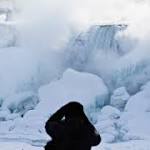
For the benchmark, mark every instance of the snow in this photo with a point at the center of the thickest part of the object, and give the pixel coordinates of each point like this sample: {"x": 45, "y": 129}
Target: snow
{"x": 97, "y": 68}
{"x": 136, "y": 115}
{"x": 21, "y": 102}
{"x": 19, "y": 120}
{"x": 131, "y": 72}
{"x": 23, "y": 115}
{"x": 109, "y": 52}
{"x": 107, "y": 124}
{"x": 37, "y": 88}
{"x": 110, "y": 112}
{"x": 119, "y": 98}
{"x": 18, "y": 146}
{"x": 134, "y": 145}
{"x": 97, "y": 45}
{"x": 73, "y": 86}
{"x": 8, "y": 35}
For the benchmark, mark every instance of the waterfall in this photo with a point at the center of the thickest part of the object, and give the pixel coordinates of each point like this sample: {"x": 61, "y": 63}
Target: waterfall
{"x": 98, "y": 38}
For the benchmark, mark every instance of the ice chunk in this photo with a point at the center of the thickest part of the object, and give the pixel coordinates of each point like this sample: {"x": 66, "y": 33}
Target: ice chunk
{"x": 136, "y": 115}
{"x": 107, "y": 124}
{"x": 108, "y": 138}
{"x": 73, "y": 86}
{"x": 139, "y": 102}
{"x": 21, "y": 103}
{"x": 119, "y": 98}
{"x": 4, "y": 114}
{"x": 110, "y": 112}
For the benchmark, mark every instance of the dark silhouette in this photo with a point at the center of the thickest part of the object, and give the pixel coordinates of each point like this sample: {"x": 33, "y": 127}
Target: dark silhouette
{"x": 70, "y": 129}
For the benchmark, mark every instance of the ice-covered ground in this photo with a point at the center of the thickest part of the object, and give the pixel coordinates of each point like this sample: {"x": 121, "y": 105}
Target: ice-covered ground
{"x": 122, "y": 124}
{"x": 134, "y": 145}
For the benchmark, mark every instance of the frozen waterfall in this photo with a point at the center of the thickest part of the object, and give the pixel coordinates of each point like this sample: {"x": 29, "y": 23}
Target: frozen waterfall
{"x": 98, "y": 39}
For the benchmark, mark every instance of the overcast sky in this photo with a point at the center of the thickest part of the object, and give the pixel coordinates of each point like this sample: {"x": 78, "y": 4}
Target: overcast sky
{"x": 87, "y": 11}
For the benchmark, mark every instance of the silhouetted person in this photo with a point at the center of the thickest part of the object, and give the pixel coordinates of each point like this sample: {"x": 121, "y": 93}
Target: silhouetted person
{"x": 70, "y": 129}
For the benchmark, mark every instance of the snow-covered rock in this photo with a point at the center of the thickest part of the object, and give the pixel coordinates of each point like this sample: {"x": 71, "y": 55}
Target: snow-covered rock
{"x": 4, "y": 114}
{"x": 139, "y": 102}
{"x": 21, "y": 103}
{"x": 7, "y": 144}
{"x": 131, "y": 72}
{"x": 107, "y": 123}
{"x": 135, "y": 120}
{"x": 29, "y": 129}
{"x": 73, "y": 86}
{"x": 119, "y": 98}
{"x": 110, "y": 112}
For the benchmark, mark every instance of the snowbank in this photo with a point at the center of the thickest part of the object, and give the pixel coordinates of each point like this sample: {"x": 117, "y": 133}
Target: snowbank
{"x": 73, "y": 86}
{"x": 135, "y": 120}
{"x": 132, "y": 145}
{"x": 107, "y": 124}
{"x": 21, "y": 103}
{"x": 6, "y": 145}
{"x": 119, "y": 98}
{"x": 23, "y": 116}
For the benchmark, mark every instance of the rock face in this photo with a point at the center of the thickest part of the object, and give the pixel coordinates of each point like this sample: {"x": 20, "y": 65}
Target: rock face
{"x": 119, "y": 98}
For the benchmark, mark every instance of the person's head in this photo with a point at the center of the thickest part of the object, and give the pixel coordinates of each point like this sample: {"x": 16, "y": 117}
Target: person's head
{"x": 74, "y": 109}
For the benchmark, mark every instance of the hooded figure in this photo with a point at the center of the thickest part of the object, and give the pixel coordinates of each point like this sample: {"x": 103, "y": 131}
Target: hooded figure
{"x": 70, "y": 129}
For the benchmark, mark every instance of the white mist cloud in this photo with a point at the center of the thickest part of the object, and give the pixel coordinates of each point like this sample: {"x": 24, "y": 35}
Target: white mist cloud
{"x": 47, "y": 23}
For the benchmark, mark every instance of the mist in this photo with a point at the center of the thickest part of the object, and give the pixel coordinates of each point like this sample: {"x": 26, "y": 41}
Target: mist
{"x": 50, "y": 23}
{"x": 44, "y": 28}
